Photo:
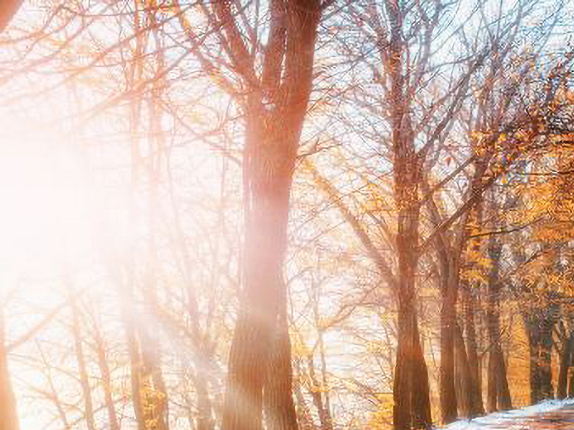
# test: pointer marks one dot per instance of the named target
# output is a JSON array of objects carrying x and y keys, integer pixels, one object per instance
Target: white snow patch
[{"x": 491, "y": 419}]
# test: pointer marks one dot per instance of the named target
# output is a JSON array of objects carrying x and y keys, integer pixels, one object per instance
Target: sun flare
[{"x": 47, "y": 209}]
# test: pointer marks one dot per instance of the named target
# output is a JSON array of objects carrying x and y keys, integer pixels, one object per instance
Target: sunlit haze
[{"x": 286, "y": 214}]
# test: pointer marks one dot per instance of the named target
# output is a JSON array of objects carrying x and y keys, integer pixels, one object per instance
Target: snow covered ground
[{"x": 510, "y": 419}]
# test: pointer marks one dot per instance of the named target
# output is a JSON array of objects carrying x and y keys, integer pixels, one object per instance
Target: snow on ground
[{"x": 491, "y": 420}]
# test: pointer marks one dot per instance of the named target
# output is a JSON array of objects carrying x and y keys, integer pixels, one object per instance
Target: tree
[
  {"x": 8, "y": 9},
  {"x": 274, "y": 102}
]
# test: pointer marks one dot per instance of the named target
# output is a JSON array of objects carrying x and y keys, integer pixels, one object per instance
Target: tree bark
[
  {"x": 565, "y": 360},
  {"x": 106, "y": 380},
  {"x": 498, "y": 391},
  {"x": 463, "y": 376},
  {"x": 571, "y": 377},
  {"x": 8, "y": 9},
  {"x": 261, "y": 339},
  {"x": 8, "y": 409},
  {"x": 410, "y": 387},
  {"x": 539, "y": 324},
  {"x": 448, "y": 398},
  {"x": 476, "y": 405},
  {"x": 82, "y": 369}
]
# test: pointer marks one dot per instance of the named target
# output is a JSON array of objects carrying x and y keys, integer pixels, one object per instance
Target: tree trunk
[
  {"x": 565, "y": 360},
  {"x": 106, "y": 380},
  {"x": 571, "y": 376},
  {"x": 533, "y": 346},
  {"x": 476, "y": 405},
  {"x": 8, "y": 410},
  {"x": 82, "y": 369},
  {"x": 280, "y": 413},
  {"x": 448, "y": 398},
  {"x": 539, "y": 325},
  {"x": 8, "y": 9},
  {"x": 261, "y": 339},
  {"x": 504, "y": 399},
  {"x": 547, "y": 391},
  {"x": 463, "y": 376},
  {"x": 498, "y": 391},
  {"x": 447, "y": 362},
  {"x": 204, "y": 420},
  {"x": 257, "y": 322},
  {"x": 410, "y": 386}
]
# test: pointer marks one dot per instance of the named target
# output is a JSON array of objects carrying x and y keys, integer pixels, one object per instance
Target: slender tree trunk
[
  {"x": 8, "y": 409},
  {"x": 303, "y": 413},
  {"x": 565, "y": 360},
  {"x": 476, "y": 405},
  {"x": 547, "y": 391},
  {"x": 326, "y": 419},
  {"x": 136, "y": 379},
  {"x": 317, "y": 395},
  {"x": 448, "y": 396},
  {"x": 150, "y": 345},
  {"x": 83, "y": 372},
  {"x": 571, "y": 375},
  {"x": 106, "y": 380},
  {"x": 320, "y": 396},
  {"x": 463, "y": 376},
  {"x": 534, "y": 358},
  {"x": 204, "y": 420}
]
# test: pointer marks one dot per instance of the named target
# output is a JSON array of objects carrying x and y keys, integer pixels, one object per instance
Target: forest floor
[{"x": 551, "y": 414}]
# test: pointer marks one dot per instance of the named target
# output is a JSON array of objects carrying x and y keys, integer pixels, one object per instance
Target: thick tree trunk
[
  {"x": 410, "y": 386},
  {"x": 498, "y": 391},
  {"x": 258, "y": 329},
  {"x": 8, "y": 9},
  {"x": 260, "y": 357},
  {"x": 539, "y": 325},
  {"x": 533, "y": 342},
  {"x": 504, "y": 399},
  {"x": 545, "y": 354},
  {"x": 280, "y": 413},
  {"x": 447, "y": 359}
]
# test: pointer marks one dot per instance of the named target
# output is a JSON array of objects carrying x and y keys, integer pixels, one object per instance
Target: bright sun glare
[{"x": 47, "y": 210}]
